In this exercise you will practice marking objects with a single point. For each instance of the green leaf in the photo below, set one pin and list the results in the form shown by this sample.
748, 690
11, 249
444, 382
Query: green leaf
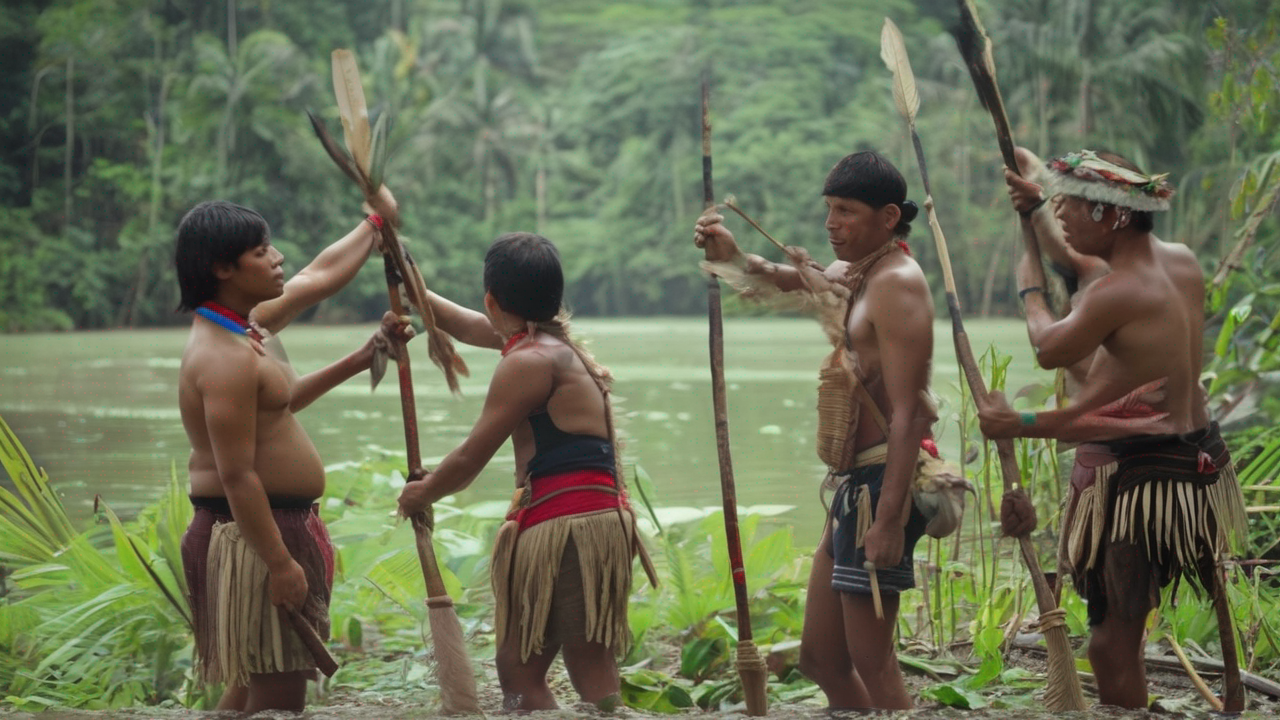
954, 696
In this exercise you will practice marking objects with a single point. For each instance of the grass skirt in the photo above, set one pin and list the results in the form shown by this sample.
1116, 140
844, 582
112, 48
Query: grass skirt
526, 568
238, 631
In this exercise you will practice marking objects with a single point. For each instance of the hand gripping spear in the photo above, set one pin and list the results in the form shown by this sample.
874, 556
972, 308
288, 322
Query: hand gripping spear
975, 46
1063, 692
364, 166
751, 667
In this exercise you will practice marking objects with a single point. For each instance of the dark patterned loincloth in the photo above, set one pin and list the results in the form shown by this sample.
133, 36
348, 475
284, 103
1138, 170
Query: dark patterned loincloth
862, 491
1173, 498
238, 631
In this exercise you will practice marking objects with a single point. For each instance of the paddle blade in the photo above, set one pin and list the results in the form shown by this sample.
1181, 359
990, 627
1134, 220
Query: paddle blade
972, 38
352, 108
894, 53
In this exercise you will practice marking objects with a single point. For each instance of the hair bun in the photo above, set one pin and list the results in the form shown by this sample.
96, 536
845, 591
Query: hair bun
909, 210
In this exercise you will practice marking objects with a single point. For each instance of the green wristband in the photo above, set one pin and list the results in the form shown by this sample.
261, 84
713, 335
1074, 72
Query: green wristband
1028, 418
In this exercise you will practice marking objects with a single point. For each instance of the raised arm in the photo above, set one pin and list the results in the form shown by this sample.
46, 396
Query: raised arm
465, 324
710, 235
1030, 202
521, 384
902, 313
1100, 310
328, 273
229, 392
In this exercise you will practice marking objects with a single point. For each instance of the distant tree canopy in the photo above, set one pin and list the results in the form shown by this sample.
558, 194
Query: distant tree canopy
574, 118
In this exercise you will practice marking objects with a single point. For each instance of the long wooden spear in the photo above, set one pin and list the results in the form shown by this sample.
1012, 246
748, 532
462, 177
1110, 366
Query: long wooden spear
453, 667
975, 47
362, 161
751, 667
1063, 692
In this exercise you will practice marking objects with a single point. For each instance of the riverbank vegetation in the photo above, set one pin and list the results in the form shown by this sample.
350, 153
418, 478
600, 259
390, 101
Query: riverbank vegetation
95, 617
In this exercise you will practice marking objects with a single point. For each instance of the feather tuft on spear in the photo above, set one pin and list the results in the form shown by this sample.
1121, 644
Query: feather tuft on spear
363, 161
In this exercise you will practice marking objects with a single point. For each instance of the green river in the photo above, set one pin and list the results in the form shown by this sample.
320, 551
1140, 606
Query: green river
98, 410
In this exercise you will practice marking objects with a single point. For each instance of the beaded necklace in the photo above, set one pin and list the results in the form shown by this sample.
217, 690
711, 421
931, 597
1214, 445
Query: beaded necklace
230, 319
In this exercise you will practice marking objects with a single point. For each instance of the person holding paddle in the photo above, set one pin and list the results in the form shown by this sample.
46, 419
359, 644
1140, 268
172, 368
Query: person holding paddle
884, 345
256, 545
1153, 494
561, 567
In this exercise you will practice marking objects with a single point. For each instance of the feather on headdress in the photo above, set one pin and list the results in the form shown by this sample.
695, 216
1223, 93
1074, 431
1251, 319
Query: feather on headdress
1085, 175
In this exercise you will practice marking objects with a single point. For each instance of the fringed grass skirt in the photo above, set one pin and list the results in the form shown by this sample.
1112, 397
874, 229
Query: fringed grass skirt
238, 631
527, 577
1180, 523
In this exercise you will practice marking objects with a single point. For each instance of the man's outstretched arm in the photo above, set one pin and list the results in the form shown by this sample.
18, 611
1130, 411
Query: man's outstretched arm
710, 235
311, 386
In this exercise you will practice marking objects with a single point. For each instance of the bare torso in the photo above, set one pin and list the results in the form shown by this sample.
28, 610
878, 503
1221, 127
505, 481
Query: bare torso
285, 459
866, 347
1162, 341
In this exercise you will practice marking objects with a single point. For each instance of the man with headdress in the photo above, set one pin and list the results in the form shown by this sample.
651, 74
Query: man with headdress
875, 305
1153, 497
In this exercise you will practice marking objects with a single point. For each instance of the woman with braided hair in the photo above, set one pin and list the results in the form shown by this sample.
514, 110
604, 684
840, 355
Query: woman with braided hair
561, 567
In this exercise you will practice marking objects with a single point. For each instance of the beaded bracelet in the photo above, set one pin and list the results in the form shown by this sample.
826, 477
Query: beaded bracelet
1033, 208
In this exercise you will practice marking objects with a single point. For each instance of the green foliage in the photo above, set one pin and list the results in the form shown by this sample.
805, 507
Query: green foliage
1242, 292
578, 120
91, 622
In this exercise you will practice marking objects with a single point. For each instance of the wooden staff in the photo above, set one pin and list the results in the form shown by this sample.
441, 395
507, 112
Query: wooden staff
1063, 692
453, 667
751, 667
363, 161
311, 640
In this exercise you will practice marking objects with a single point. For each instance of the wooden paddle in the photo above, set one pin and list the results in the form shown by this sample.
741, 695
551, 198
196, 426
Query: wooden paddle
751, 667
453, 666
362, 161
1063, 692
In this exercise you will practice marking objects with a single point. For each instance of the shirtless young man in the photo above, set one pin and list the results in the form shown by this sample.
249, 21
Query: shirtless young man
254, 473
889, 326
1140, 409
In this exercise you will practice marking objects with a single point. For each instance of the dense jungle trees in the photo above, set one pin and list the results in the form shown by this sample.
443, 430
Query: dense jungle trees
576, 118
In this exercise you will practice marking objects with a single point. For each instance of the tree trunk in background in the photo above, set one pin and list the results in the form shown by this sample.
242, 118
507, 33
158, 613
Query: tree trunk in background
153, 211
1086, 71
540, 192
231, 29
69, 155
988, 285
677, 186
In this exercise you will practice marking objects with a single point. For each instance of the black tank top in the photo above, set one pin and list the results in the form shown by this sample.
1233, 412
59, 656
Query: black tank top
556, 451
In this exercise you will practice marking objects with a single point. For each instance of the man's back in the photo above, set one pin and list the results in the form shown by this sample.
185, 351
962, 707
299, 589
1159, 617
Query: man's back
1158, 296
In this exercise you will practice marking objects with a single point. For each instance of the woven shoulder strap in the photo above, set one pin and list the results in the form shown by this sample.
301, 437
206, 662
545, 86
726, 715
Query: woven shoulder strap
864, 397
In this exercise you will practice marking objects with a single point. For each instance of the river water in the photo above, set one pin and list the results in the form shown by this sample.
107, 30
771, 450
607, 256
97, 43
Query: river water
98, 410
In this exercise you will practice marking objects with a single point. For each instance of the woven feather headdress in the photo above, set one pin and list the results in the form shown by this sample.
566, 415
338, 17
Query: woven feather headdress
1085, 175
